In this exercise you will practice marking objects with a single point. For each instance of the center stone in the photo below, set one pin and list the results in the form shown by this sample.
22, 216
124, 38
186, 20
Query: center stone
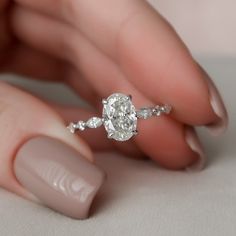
119, 116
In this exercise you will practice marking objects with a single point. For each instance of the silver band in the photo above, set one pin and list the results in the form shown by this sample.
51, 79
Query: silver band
120, 117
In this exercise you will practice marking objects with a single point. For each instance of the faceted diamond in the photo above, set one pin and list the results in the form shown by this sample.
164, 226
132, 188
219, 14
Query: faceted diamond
145, 113
167, 108
94, 122
162, 109
72, 127
158, 110
119, 115
80, 125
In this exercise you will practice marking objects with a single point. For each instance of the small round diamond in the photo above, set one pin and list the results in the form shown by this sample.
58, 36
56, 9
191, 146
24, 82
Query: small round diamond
72, 127
119, 115
81, 125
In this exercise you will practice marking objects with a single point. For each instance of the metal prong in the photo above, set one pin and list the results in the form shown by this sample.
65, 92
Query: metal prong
130, 97
135, 132
104, 101
109, 135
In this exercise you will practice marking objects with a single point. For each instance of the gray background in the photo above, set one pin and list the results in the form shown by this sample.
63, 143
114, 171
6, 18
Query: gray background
138, 197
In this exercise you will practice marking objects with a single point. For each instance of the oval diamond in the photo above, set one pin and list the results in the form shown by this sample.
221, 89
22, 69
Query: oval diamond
119, 116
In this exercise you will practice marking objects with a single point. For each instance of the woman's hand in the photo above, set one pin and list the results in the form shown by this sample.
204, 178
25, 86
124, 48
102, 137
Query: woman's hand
97, 48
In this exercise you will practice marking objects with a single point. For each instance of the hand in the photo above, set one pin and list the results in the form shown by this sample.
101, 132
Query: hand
97, 48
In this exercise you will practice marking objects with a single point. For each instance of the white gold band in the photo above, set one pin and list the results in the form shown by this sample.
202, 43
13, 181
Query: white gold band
120, 117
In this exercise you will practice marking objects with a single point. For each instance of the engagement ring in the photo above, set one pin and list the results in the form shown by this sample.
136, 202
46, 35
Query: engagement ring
119, 117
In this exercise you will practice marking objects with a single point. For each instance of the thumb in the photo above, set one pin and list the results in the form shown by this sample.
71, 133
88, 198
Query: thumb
40, 160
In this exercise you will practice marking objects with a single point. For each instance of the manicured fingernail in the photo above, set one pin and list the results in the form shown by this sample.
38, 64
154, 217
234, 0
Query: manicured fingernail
217, 104
195, 145
58, 176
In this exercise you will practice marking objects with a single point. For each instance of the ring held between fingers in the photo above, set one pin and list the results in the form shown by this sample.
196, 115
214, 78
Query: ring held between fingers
40, 157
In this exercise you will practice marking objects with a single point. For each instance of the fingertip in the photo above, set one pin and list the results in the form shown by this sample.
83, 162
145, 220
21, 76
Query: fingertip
59, 176
164, 141
194, 144
41, 160
219, 123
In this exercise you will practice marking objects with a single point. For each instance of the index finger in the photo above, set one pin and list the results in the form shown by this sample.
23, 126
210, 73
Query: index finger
149, 53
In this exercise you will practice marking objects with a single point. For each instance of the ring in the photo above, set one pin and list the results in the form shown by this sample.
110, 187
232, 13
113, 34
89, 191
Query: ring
119, 117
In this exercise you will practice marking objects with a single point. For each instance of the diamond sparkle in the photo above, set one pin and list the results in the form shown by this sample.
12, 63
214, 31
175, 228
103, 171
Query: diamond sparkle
145, 113
120, 120
119, 117
94, 122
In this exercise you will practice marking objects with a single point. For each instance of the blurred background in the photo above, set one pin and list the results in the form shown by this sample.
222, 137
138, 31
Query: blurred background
142, 199
208, 27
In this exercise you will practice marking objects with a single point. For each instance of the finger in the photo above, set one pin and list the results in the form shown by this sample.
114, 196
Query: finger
29, 62
100, 77
160, 141
4, 35
35, 64
4, 29
96, 138
40, 159
159, 64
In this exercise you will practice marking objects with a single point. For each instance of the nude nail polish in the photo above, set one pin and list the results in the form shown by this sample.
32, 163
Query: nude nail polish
219, 126
58, 176
195, 145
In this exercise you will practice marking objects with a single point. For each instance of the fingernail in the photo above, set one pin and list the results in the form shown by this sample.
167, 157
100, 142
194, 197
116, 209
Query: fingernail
195, 145
58, 176
218, 127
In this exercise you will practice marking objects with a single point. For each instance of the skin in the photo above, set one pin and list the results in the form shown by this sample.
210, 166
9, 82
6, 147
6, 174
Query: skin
97, 48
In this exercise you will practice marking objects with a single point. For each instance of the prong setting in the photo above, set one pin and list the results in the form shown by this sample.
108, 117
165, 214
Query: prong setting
109, 135
119, 117
135, 132
104, 101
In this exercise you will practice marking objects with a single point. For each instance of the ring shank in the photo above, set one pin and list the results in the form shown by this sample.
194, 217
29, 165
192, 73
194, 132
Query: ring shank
142, 113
